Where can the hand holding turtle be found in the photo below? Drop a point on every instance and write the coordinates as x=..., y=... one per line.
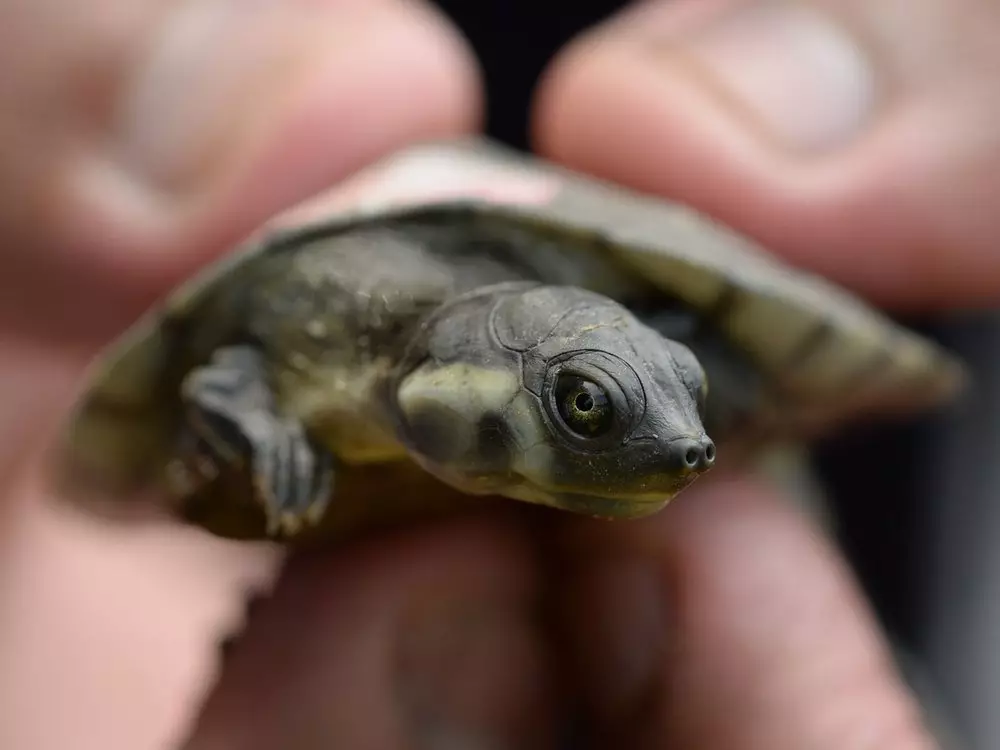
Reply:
x=855, y=139
x=137, y=140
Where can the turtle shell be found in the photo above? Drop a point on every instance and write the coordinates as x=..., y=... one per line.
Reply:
x=827, y=356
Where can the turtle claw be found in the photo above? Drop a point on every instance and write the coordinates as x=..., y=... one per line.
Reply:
x=231, y=409
x=293, y=480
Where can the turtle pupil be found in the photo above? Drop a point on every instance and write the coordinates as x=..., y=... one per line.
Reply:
x=584, y=406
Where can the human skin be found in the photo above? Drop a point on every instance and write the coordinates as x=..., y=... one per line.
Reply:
x=139, y=140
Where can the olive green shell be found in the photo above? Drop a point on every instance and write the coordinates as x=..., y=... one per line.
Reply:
x=829, y=356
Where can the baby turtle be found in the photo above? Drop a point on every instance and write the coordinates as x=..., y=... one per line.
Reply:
x=460, y=319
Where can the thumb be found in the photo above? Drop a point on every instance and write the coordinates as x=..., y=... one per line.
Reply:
x=143, y=137
x=138, y=139
x=146, y=137
x=857, y=139
x=726, y=622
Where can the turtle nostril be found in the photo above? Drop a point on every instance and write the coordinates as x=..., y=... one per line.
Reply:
x=695, y=454
x=709, y=452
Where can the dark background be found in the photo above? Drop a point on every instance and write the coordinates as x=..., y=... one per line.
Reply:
x=886, y=482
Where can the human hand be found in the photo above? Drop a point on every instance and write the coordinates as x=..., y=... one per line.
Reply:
x=138, y=139
x=858, y=140
x=724, y=622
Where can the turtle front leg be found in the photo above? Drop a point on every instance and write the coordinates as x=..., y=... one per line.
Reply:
x=232, y=420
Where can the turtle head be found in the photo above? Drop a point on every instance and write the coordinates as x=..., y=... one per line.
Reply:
x=554, y=395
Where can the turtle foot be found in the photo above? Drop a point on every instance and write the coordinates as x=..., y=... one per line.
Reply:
x=232, y=420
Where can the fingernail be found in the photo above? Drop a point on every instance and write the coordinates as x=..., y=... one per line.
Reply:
x=214, y=74
x=475, y=674
x=797, y=73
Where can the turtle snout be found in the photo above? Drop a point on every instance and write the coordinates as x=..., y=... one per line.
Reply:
x=693, y=454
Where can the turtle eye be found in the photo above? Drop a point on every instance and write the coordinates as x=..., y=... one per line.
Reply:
x=584, y=406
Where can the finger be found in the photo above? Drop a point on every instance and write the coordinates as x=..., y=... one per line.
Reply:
x=204, y=118
x=727, y=622
x=137, y=141
x=431, y=640
x=107, y=634
x=194, y=122
x=856, y=139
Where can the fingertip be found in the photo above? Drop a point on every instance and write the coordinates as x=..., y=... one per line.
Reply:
x=784, y=122
x=409, y=76
x=637, y=114
x=354, y=82
x=108, y=239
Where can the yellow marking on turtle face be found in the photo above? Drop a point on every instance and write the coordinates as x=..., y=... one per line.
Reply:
x=526, y=425
x=535, y=465
x=600, y=506
x=458, y=396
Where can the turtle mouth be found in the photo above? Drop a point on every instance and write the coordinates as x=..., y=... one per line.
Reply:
x=601, y=506
x=612, y=505
x=605, y=502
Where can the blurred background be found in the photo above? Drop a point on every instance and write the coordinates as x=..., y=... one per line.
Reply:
x=915, y=506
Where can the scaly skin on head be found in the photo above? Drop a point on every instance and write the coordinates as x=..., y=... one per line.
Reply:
x=553, y=395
